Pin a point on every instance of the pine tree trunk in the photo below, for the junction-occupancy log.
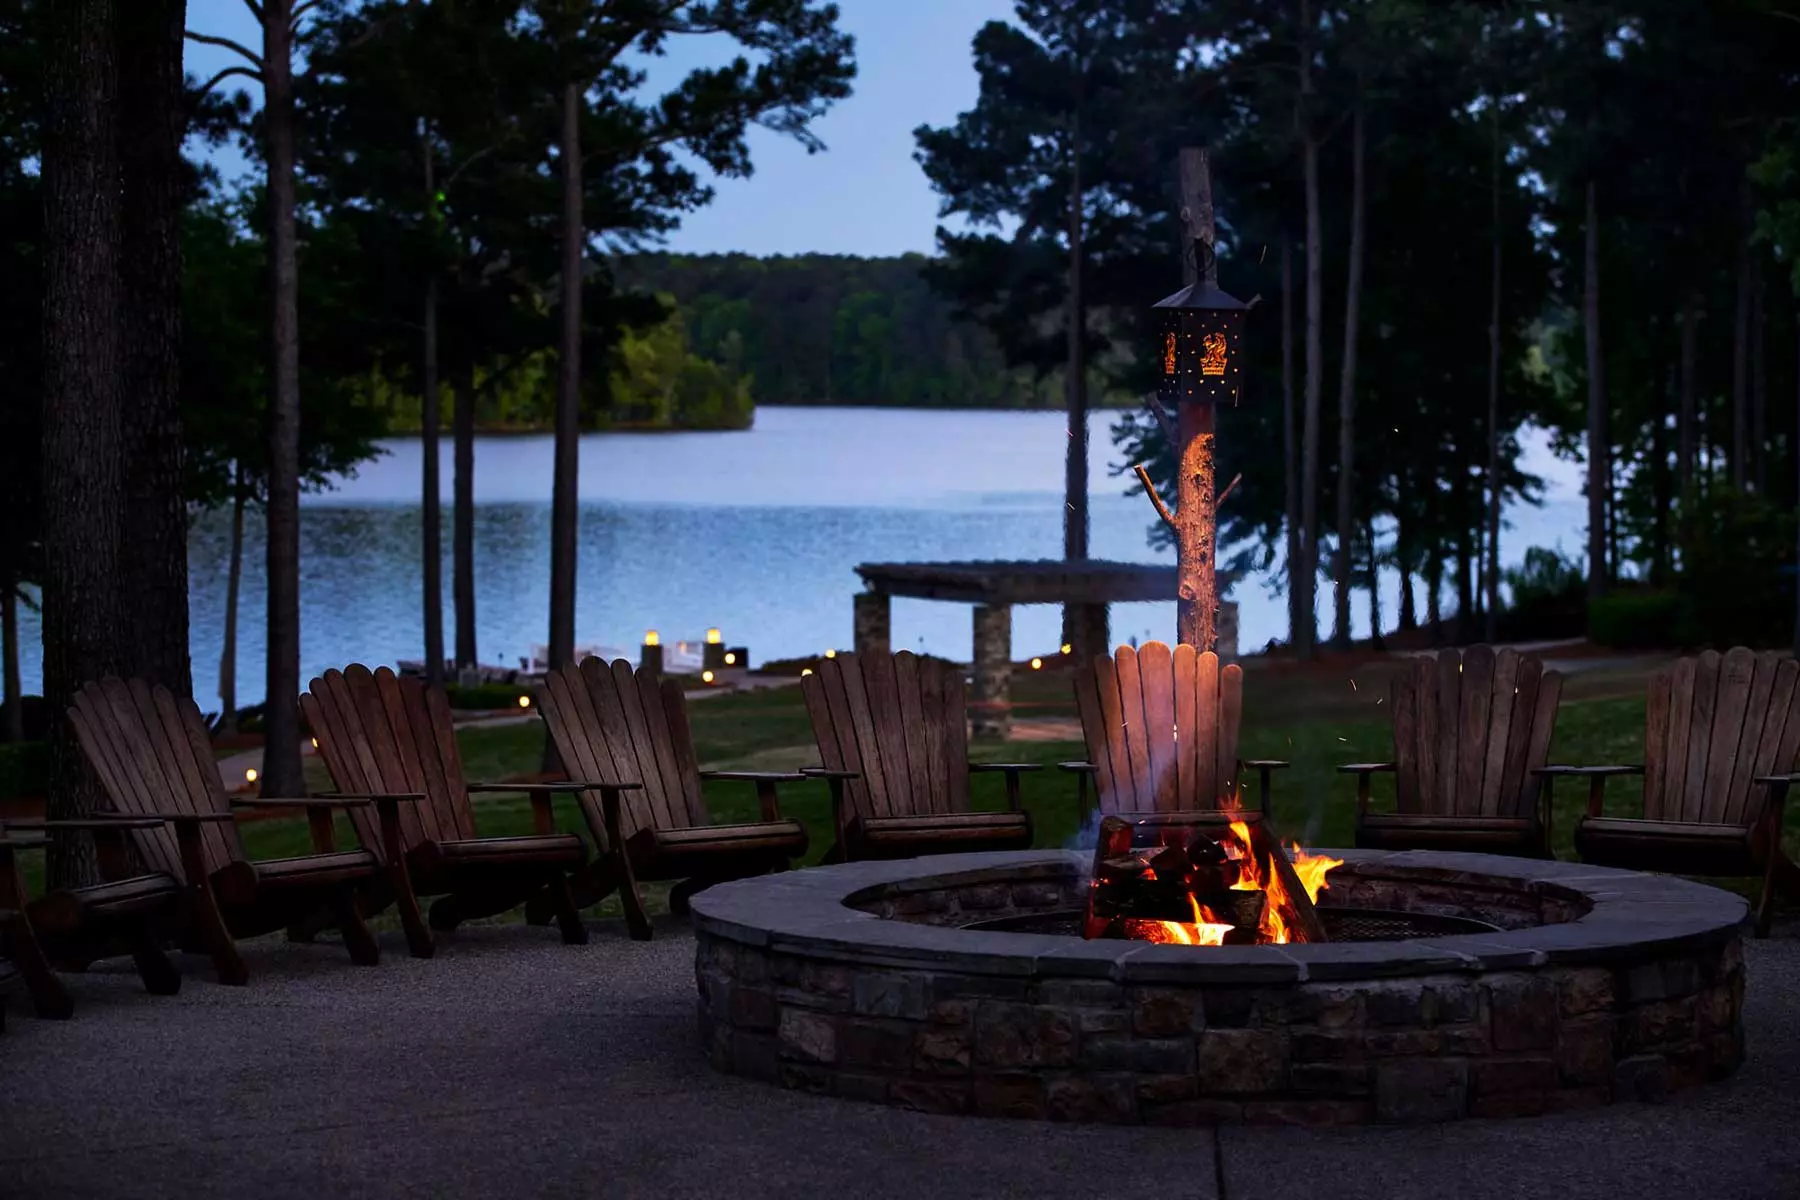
(1759, 377)
(84, 621)
(1491, 571)
(1075, 474)
(1434, 591)
(1315, 360)
(1598, 476)
(431, 514)
(564, 513)
(234, 574)
(281, 768)
(1376, 641)
(1686, 431)
(1346, 488)
(1290, 448)
(463, 517)
(1661, 487)
(1196, 501)
(1740, 357)
(14, 730)
(1409, 614)
(151, 124)
(1465, 552)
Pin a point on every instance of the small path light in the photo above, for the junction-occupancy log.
(831, 654)
(1037, 664)
(706, 677)
(250, 775)
(524, 701)
(730, 659)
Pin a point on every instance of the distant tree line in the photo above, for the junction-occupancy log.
(838, 329)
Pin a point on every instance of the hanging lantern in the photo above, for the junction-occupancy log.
(1200, 341)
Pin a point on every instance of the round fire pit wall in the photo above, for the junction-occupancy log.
(863, 981)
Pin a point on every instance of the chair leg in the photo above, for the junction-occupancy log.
(636, 920)
(159, 973)
(357, 938)
(406, 902)
(445, 915)
(568, 917)
(49, 999)
(209, 931)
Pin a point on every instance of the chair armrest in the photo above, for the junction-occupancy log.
(1778, 780)
(975, 767)
(1596, 777)
(1363, 773)
(307, 802)
(829, 773)
(1267, 764)
(1083, 768)
(95, 824)
(765, 782)
(1585, 772)
(1011, 771)
(546, 789)
(372, 797)
(1364, 768)
(24, 843)
(755, 776)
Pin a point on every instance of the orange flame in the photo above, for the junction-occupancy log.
(1311, 870)
(1207, 929)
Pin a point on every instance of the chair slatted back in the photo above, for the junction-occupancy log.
(1469, 728)
(153, 755)
(1713, 724)
(900, 722)
(613, 725)
(1161, 727)
(380, 733)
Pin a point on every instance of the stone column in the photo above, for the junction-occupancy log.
(874, 623)
(990, 704)
(1228, 631)
(1091, 632)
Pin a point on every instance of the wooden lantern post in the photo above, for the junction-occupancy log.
(1200, 329)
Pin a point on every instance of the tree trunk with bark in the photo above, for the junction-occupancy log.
(281, 770)
(14, 730)
(1290, 448)
(151, 124)
(1661, 487)
(1598, 475)
(1376, 641)
(1686, 431)
(1315, 360)
(431, 513)
(1740, 354)
(564, 511)
(1075, 464)
(1403, 561)
(1759, 377)
(1491, 571)
(1196, 507)
(84, 622)
(234, 574)
(463, 517)
(1346, 506)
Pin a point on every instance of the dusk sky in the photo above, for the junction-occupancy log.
(863, 195)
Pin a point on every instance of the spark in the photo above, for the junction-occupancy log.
(1353, 685)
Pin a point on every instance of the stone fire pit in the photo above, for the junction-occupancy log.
(864, 981)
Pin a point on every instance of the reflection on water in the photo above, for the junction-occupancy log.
(757, 533)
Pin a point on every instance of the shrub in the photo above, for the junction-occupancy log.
(1641, 619)
(1548, 597)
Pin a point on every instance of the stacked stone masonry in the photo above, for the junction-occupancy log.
(1309, 1035)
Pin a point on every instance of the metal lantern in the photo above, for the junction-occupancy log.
(1200, 340)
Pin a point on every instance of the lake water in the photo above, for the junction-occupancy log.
(757, 533)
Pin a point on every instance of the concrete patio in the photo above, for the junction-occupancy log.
(514, 1066)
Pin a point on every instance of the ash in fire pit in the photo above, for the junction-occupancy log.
(1158, 882)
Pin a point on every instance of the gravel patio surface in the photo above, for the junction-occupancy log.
(514, 1066)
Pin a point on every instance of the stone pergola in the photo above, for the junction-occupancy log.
(994, 587)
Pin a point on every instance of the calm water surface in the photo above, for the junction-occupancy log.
(755, 532)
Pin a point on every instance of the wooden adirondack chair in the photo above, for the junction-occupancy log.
(154, 759)
(84, 923)
(381, 734)
(1470, 730)
(1721, 744)
(893, 734)
(628, 732)
(1161, 727)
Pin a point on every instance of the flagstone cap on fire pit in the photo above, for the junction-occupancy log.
(866, 981)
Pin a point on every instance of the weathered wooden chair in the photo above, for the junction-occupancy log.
(1721, 744)
(893, 733)
(153, 757)
(1470, 730)
(1161, 728)
(381, 734)
(130, 912)
(628, 733)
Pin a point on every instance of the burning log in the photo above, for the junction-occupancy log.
(1193, 889)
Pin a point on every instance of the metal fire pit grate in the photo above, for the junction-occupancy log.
(1341, 924)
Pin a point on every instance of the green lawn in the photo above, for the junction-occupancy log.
(769, 730)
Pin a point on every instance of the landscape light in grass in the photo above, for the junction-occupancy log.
(524, 701)
(315, 743)
(1037, 664)
(1067, 649)
(730, 659)
(706, 677)
(250, 775)
(712, 637)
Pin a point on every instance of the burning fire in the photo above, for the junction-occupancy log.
(1205, 931)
